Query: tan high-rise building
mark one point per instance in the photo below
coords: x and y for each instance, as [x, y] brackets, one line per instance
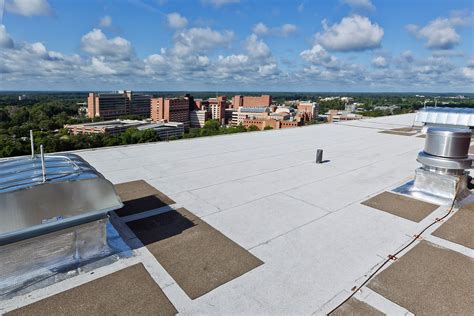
[120, 103]
[251, 101]
[217, 108]
[170, 109]
[308, 110]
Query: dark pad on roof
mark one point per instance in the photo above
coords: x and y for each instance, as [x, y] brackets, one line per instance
[406, 129]
[459, 228]
[130, 291]
[392, 132]
[429, 280]
[197, 256]
[139, 196]
[400, 205]
[355, 307]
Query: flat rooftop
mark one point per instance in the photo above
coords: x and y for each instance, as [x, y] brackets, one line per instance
[311, 238]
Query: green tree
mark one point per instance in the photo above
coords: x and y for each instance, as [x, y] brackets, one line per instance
[253, 128]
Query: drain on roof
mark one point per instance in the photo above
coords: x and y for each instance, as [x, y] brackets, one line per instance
[444, 162]
[53, 213]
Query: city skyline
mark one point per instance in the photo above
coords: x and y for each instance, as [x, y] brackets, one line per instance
[232, 45]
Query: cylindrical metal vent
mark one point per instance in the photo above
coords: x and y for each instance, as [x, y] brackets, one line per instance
[446, 150]
[448, 142]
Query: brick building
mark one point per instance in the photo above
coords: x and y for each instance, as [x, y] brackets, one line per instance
[251, 101]
[308, 110]
[274, 124]
[114, 105]
[170, 110]
[217, 108]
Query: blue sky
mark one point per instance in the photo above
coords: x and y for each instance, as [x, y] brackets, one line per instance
[273, 45]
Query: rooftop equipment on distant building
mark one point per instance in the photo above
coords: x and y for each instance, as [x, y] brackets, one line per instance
[444, 163]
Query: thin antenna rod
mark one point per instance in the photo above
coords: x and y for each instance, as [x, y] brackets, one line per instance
[32, 141]
[43, 168]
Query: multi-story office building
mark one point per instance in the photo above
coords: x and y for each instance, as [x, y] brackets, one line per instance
[170, 110]
[217, 108]
[308, 110]
[198, 118]
[166, 130]
[249, 113]
[114, 105]
[251, 101]
[228, 115]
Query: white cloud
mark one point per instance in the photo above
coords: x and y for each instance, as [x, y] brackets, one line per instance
[98, 66]
[317, 55]
[353, 33]
[360, 4]
[287, 29]
[106, 21]
[380, 62]
[5, 39]
[200, 40]
[220, 3]
[468, 72]
[283, 31]
[439, 33]
[256, 48]
[176, 21]
[96, 43]
[260, 28]
[268, 70]
[28, 7]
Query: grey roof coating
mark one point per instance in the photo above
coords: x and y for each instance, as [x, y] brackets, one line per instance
[263, 191]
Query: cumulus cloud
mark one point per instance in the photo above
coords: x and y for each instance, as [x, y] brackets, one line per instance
[105, 21]
[200, 40]
[317, 55]
[96, 43]
[28, 7]
[256, 47]
[380, 62]
[360, 4]
[438, 34]
[176, 20]
[353, 33]
[5, 40]
[283, 30]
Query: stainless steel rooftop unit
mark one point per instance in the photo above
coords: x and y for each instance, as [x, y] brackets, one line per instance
[444, 116]
[40, 196]
[53, 214]
[444, 162]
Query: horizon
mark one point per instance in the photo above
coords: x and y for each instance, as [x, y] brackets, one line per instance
[246, 91]
[339, 46]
